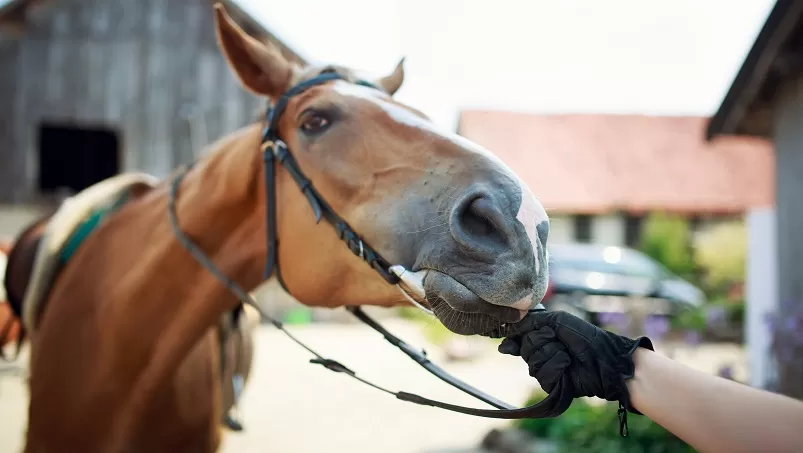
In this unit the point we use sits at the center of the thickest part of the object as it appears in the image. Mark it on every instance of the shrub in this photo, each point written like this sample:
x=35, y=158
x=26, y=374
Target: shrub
x=586, y=428
x=721, y=252
x=667, y=239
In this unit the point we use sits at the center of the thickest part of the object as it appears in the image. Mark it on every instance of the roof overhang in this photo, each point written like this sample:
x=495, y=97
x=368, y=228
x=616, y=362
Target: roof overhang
x=775, y=56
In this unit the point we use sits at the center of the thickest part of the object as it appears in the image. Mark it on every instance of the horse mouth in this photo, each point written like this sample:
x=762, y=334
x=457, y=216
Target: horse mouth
x=464, y=312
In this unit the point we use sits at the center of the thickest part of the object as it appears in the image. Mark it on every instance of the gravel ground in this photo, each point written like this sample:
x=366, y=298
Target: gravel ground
x=291, y=406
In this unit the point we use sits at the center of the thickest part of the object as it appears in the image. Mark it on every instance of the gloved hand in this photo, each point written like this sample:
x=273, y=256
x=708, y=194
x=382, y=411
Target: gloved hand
x=598, y=362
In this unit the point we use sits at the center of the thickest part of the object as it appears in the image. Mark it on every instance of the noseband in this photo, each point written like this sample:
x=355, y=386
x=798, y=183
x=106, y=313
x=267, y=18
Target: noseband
x=275, y=149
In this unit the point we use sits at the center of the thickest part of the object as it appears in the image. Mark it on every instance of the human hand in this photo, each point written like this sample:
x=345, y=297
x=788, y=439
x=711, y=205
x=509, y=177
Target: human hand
x=598, y=362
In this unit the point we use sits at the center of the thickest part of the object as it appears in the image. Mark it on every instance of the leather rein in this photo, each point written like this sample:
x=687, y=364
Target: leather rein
x=274, y=149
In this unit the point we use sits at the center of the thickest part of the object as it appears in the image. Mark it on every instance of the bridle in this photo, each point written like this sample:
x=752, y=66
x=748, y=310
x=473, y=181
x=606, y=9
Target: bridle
x=275, y=149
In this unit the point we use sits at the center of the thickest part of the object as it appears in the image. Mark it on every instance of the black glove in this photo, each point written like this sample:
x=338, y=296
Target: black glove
x=597, y=362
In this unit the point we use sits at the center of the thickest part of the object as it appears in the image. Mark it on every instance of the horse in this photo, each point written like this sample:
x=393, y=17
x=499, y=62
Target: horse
x=124, y=353
x=236, y=334
x=9, y=323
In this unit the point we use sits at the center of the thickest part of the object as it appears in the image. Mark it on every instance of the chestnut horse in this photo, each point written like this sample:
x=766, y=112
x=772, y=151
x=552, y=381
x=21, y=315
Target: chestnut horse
x=124, y=356
x=9, y=323
x=236, y=334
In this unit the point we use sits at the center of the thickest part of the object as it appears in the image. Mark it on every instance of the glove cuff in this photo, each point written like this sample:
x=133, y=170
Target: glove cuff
x=624, y=400
x=640, y=342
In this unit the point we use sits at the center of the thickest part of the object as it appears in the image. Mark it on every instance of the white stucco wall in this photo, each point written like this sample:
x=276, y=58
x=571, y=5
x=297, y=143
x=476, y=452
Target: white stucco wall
x=561, y=229
x=761, y=293
x=605, y=229
x=608, y=229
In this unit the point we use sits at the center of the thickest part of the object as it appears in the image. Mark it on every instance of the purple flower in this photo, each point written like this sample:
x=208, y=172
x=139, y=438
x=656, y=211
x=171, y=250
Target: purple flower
x=786, y=353
x=606, y=319
x=619, y=322
x=692, y=337
x=715, y=315
x=770, y=321
x=725, y=371
x=656, y=326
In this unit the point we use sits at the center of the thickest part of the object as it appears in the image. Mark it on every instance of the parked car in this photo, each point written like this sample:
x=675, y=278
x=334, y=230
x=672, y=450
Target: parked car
x=589, y=279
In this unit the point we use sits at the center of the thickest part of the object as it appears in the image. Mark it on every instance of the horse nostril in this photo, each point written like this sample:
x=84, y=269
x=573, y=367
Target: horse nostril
x=479, y=224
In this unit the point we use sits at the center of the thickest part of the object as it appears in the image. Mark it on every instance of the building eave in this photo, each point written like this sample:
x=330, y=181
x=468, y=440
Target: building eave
x=744, y=94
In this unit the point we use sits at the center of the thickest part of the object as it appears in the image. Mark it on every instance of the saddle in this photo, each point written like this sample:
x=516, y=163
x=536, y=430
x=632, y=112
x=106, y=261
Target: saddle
x=42, y=250
x=74, y=220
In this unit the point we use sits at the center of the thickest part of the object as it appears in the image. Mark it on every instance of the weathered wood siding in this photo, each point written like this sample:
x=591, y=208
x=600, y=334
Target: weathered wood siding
x=147, y=68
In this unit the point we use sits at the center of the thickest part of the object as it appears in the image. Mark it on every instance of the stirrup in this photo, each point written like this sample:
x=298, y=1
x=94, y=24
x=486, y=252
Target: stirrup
x=233, y=418
x=233, y=423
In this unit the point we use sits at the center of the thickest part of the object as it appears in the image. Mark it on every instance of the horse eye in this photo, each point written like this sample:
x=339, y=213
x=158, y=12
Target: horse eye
x=315, y=123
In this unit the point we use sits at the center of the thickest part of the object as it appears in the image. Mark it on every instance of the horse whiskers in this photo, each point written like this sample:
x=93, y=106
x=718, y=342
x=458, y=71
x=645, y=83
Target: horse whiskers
x=425, y=229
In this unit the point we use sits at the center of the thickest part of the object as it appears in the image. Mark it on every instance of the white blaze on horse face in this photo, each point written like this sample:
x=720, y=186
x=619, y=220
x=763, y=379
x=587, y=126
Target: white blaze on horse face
x=531, y=212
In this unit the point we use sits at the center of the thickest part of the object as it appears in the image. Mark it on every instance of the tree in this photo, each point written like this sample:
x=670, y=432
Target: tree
x=667, y=239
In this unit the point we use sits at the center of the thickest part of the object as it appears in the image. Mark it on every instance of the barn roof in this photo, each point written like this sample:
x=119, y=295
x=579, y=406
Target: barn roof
x=15, y=14
x=603, y=163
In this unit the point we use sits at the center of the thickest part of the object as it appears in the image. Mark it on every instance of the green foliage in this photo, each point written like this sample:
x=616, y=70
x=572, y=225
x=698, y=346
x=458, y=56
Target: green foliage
x=721, y=252
x=667, y=238
x=733, y=310
x=586, y=428
x=690, y=319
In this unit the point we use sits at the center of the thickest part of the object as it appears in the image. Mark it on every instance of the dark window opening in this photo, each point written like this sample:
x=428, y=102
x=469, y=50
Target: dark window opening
x=75, y=158
x=582, y=228
x=695, y=222
x=633, y=230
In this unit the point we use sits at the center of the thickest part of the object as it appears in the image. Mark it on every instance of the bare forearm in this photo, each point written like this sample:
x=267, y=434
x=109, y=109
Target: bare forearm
x=714, y=414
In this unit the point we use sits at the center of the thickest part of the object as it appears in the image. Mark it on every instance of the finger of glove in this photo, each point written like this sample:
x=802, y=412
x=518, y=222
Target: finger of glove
x=537, y=340
x=533, y=321
x=570, y=328
x=510, y=346
x=548, y=368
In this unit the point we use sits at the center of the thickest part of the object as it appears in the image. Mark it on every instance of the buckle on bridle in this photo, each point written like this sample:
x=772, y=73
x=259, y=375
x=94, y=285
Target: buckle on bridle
x=274, y=146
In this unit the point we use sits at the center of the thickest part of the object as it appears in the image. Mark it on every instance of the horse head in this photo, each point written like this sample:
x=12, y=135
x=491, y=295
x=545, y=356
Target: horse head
x=439, y=205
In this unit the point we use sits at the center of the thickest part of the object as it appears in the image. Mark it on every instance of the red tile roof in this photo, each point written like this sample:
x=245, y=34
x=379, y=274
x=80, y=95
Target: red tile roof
x=599, y=163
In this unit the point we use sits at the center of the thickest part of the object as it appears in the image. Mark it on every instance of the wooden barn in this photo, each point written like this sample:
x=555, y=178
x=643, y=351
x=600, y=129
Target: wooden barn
x=90, y=88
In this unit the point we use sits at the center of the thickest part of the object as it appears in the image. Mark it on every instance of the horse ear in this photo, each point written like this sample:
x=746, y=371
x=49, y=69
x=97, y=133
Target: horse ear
x=391, y=83
x=260, y=67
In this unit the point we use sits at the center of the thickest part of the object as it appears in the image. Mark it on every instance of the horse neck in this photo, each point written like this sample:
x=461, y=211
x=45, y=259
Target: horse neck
x=166, y=302
x=220, y=205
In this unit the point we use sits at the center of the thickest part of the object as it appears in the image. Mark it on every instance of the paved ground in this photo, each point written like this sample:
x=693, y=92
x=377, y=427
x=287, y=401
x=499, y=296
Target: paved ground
x=293, y=407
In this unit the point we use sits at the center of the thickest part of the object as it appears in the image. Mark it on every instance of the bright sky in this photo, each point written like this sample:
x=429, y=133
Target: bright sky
x=673, y=57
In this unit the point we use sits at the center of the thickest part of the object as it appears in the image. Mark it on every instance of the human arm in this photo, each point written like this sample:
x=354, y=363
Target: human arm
x=710, y=413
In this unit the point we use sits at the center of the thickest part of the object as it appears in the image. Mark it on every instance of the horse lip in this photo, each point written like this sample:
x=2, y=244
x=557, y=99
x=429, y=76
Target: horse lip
x=468, y=291
x=523, y=304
